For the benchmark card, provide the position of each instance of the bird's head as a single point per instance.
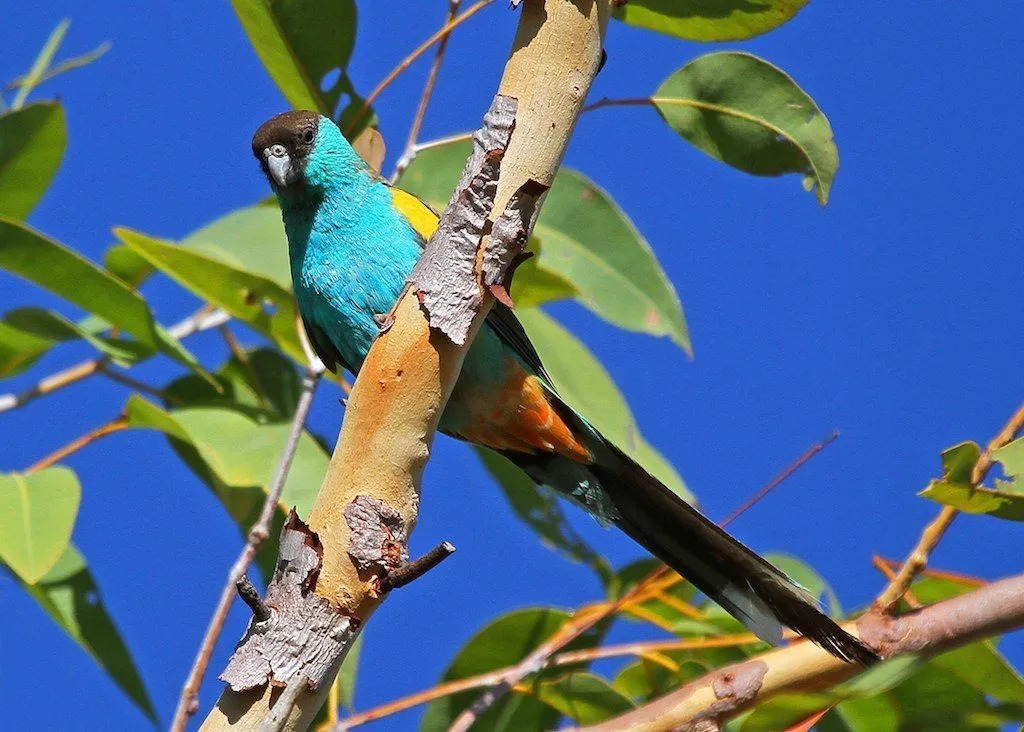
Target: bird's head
(300, 149)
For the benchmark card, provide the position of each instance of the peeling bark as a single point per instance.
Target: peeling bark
(304, 634)
(379, 539)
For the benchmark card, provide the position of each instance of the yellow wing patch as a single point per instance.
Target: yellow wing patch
(419, 215)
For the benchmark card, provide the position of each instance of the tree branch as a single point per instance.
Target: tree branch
(330, 572)
(711, 700)
(188, 704)
(934, 531)
(117, 424)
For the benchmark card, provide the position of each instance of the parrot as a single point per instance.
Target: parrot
(353, 239)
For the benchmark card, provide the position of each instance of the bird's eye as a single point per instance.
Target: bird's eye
(308, 135)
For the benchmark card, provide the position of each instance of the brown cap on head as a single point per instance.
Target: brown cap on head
(296, 131)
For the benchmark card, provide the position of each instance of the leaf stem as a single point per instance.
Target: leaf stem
(107, 428)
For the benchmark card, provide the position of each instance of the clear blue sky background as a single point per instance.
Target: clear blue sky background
(893, 314)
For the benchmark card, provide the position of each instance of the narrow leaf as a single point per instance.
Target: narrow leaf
(583, 697)
(42, 62)
(69, 595)
(32, 142)
(37, 513)
(745, 112)
(970, 499)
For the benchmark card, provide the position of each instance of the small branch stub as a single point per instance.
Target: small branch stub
(412, 571)
(251, 597)
(305, 634)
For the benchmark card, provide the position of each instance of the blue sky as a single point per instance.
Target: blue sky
(893, 314)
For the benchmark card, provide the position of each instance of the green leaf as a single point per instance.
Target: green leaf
(46, 324)
(863, 714)
(250, 238)
(300, 43)
(37, 513)
(252, 298)
(709, 20)
(805, 576)
(239, 452)
(1012, 458)
(503, 642)
(583, 697)
(540, 509)
(747, 113)
(69, 595)
(937, 699)
(590, 243)
(32, 142)
(984, 668)
(958, 462)
(345, 681)
(44, 262)
(586, 386)
(19, 349)
(586, 247)
(42, 62)
(969, 499)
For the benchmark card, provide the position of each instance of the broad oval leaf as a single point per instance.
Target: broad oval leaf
(70, 596)
(708, 20)
(37, 513)
(586, 386)
(301, 42)
(972, 499)
(588, 249)
(745, 112)
(32, 142)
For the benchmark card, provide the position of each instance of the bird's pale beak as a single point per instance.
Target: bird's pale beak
(279, 165)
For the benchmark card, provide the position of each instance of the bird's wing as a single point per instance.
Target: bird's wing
(324, 349)
(423, 220)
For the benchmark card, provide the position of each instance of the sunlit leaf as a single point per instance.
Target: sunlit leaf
(69, 595)
(1012, 458)
(747, 113)
(54, 327)
(305, 46)
(970, 499)
(37, 513)
(252, 298)
(32, 142)
(42, 63)
(708, 20)
(584, 240)
(583, 697)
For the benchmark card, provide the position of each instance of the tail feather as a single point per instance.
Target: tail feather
(753, 591)
(758, 594)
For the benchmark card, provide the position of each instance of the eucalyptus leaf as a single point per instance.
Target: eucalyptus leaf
(32, 142)
(305, 46)
(583, 697)
(49, 264)
(70, 596)
(37, 513)
(52, 326)
(970, 499)
(252, 298)
(42, 63)
(708, 20)
(745, 112)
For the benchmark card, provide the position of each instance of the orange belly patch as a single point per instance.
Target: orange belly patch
(520, 418)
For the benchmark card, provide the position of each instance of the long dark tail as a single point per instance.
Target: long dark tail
(756, 593)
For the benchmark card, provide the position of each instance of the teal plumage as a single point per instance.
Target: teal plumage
(351, 248)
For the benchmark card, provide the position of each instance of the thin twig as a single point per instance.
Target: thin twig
(282, 708)
(105, 367)
(203, 319)
(583, 619)
(189, 701)
(934, 531)
(428, 89)
(890, 574)
(634, 102)
(407, 573)
(115, 425)
(774, 482)
(415, 54)
(251, 596)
